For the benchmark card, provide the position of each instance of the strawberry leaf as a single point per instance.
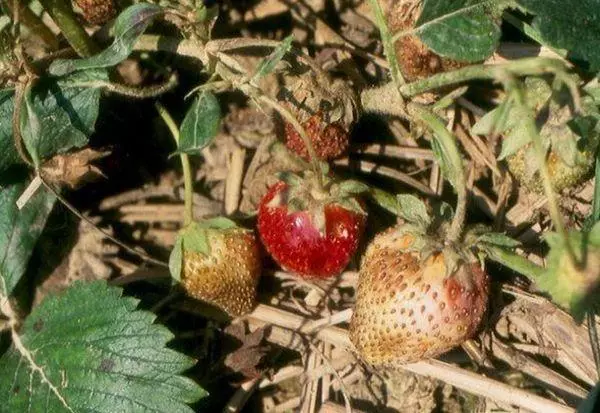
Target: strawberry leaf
(573, 26)
(89, 349)
(129, 26)
(574, 288)
(413, 210)
(352, 187)
(466, 30)
(200, 125)
(19, 231)
(8, 152)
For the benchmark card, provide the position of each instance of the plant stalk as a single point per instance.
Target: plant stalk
(388, 46)
(30, 20)
(522, 67)
(454, 167)
(188, 196)
(516, 263)
(64, 17)
(540, 153)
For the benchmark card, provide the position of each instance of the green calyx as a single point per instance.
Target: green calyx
(306, 193)
(573, 285)
(195, 237)
(429, 232)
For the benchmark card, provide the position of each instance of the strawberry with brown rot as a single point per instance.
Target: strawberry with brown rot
(418, 295)
(329, 140)
(309, 227)
(218, 262)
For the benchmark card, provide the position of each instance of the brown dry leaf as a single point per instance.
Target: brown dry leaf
(73, 169)
(246, 359)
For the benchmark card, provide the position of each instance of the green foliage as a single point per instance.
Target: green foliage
(19, 231)
(573, 288)
(8, 152)
(90, 350)
(267, 66)
(572, 25)
(201, 124)
(129, 26)
(466, 30)
(60, 114)
(413, 210)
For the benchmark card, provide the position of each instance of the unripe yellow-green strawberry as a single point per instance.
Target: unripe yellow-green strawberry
(218, 265)
(562, 176)
(411, 307)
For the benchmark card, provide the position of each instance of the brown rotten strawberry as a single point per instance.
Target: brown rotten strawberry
(219, 263)
(410, 308)
(329, 140)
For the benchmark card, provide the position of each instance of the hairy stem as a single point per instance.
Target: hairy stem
(30, 20)
(513, 86)
(522, 67)
(188, 198)
(453, 166)
(388, 46)
(64, 17)
(516, 263)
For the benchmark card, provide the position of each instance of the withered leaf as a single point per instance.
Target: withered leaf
(247, 358)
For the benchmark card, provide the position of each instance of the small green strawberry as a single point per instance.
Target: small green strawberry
(571, 139)
(217, 262)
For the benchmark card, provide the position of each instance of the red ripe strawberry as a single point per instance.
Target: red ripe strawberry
(410, 308)
(310, 232)
(330, 140)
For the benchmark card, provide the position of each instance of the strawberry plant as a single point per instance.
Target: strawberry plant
(314, 206)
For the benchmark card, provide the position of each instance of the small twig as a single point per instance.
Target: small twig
(233, 182)
(74, 210)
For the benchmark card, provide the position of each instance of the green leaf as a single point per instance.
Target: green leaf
(176, 260)
(201, 124)
(413, 210)
(8, 152)
(268, 64)
(466, 30)
(195, 238)
(572, 25)
(575, 289)
(19, 231)
(495, 121)
(385, 200)
(217, 223)
(351, 186)
(90, 350)
(60, 114)
(129, 26)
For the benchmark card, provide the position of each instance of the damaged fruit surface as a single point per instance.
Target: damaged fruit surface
(409, 307)
(218, 265)
(310, 237)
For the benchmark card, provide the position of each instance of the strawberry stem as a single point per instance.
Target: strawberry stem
(287, 115)
(516, 263)
(388, 46)
(520, 67)
(62, 13)
(449, 158)
(514, 86)
(188, 197)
